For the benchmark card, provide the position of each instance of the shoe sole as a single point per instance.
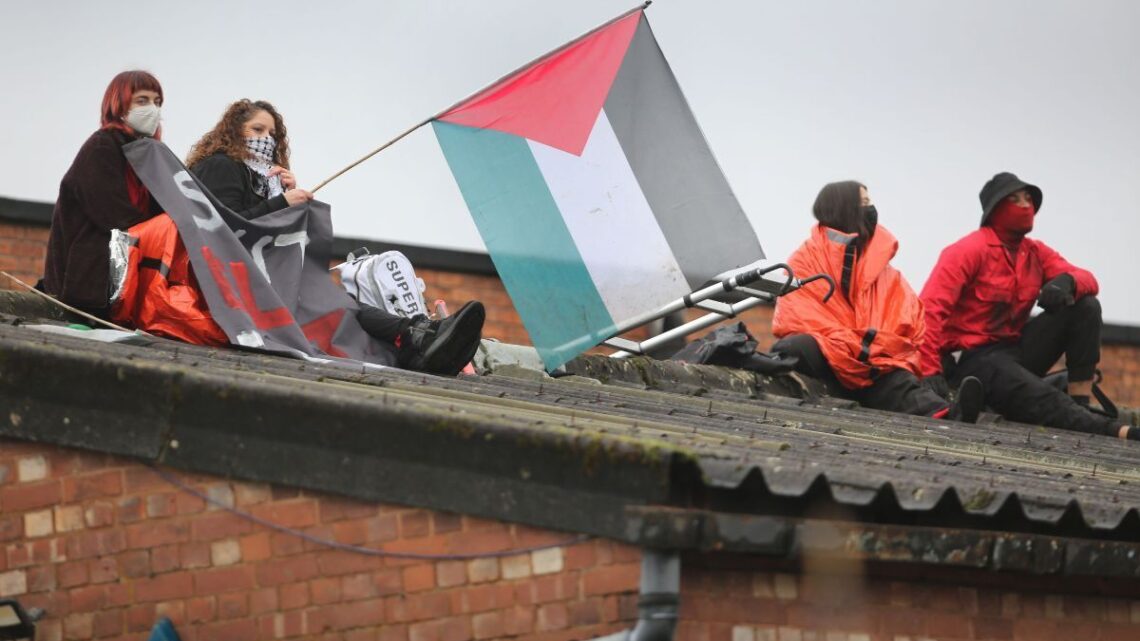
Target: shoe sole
(465, 331)
(970, 397)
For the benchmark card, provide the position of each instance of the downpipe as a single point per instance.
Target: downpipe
(659, 599)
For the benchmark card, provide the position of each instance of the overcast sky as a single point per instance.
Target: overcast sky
(922, 100)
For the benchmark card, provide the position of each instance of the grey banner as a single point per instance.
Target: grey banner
(265, 280)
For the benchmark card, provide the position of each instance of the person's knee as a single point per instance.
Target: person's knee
(1088, 308)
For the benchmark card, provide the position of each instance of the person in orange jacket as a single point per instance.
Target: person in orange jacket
(978, 299)
(863, 342)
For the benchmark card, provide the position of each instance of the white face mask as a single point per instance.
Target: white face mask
(144, 120)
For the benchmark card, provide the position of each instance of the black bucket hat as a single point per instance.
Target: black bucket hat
(1002, 185)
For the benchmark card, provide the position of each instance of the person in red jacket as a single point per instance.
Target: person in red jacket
(978, 299)
(863, 341)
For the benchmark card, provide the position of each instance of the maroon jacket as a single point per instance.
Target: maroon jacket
(93, 200)
(978, 295)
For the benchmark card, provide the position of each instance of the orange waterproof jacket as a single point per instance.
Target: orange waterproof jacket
(160, 294)
(873, 324)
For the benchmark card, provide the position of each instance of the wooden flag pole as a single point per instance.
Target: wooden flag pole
(55, 301)
(548, 54)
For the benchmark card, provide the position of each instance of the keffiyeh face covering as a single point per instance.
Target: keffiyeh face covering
(261, 150)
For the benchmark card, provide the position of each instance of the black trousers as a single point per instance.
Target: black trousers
(894, 391)
(381, 324)
(1012, 372)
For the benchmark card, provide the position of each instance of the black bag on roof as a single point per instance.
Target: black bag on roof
(732, 346)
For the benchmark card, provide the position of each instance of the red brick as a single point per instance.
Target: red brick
(336, 562)
(164, 558)
(418, 578)
(444, 522)
(579, 556)
(383, 528)
(218, 525)
(100, 514)
(237, 630)
(357, 614)
(72, 574)
(278, 571)
(939, 624)
(325, 590)
(428, 606)
(285, 544)
(518, 621)
(588, 612)
(611, 579)
(351, 532)
(108, 623)
(358, 586)
(450, 573)
(194, 555)
(488, 625)
(160, 505)
(255, 547)
(134, 564)
(201, 609)
(11, 527)
(299, 513)
(392, 633)
(154, 534)
(100, 484)
(488, 597)
(388, 582)
(455, 629)
(552, 616)
(336, 509)
(414, 524)
(294, 595)
(222, 580)
(130, 509)
(79, 626)
(89, 598)
(27, 496)
(233, 606)
(40, 578)
(262, 601)
(104, 569)
(165, 587)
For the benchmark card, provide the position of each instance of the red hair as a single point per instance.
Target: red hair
(117, 98)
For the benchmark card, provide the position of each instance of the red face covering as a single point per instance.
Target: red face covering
(1011, 221)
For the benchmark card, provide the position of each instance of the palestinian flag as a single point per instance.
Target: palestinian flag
(593, 188)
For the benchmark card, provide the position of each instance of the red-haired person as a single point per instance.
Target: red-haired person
(978, 299)
(101, 192)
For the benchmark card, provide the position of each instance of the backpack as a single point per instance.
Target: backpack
(386, 280)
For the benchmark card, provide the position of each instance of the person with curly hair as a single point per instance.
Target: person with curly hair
(244, 161)
(101, 192)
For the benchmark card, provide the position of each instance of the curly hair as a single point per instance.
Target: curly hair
(227, 136)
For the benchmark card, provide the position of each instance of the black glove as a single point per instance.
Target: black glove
(1057, 293)
(937, 384)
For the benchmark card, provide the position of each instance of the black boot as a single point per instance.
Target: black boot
(968, 401)
(444, 346)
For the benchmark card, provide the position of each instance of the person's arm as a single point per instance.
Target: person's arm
(99, 179)
(940, 295)
(1055, 265)
(227, 181)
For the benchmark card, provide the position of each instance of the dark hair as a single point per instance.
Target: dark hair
(839, 206)
(117, 98)
(227, 136)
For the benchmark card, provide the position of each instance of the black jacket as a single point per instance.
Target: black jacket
(93, 200)
(232, 182)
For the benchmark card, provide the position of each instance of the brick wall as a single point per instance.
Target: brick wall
(22, 250)
(825, 605)
(106, 546)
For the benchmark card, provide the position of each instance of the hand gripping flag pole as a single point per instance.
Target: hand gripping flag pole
(429, 119)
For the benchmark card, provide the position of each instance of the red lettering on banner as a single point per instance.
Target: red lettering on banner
(220, 278)
(320, 332)
(264, 320)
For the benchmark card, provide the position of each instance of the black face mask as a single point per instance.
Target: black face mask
(871, 218)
